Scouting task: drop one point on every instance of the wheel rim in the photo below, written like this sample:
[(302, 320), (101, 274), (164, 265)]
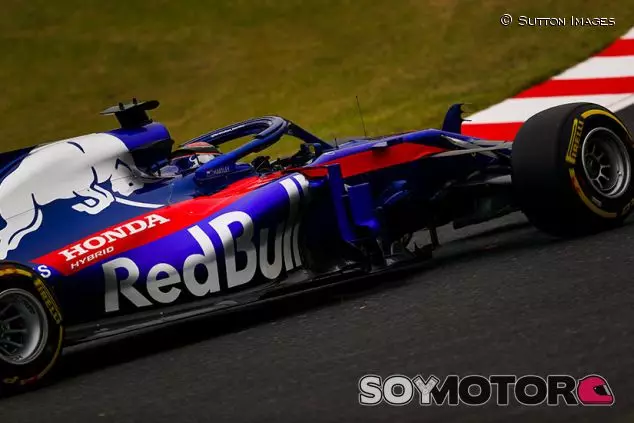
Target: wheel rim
[(23, 327), (606, 162)]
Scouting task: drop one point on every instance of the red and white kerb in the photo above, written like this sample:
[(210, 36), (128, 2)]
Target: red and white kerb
[(606, 79)]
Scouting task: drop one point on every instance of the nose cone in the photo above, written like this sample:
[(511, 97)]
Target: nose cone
[(594, 390)]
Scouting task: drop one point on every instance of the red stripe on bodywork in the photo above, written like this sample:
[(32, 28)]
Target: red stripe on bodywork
[(180, 216), (380, 158), (559, 87), (492, 131), (316, 172), (622, 47)]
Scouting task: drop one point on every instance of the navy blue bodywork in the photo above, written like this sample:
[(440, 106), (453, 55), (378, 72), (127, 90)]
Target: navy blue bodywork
[(133, 246)]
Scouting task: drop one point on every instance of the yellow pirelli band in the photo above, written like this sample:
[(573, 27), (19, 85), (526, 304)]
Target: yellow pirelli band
[(608, 114), (13, 271), (57, 351), (585, 199)]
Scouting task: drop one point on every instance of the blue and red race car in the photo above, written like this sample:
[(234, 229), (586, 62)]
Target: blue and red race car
[(108, 233)]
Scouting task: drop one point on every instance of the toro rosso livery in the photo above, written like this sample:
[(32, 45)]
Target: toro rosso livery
[(108, 233)]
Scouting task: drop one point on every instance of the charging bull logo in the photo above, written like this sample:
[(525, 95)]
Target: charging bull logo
[(96, 170)]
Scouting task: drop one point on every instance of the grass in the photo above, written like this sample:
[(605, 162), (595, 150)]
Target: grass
[(214, 62)]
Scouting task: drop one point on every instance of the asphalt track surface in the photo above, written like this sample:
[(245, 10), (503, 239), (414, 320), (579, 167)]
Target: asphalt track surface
[(499, 298)]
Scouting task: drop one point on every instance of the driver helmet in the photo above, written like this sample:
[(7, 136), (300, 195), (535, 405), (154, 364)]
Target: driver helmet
[(194, 154)]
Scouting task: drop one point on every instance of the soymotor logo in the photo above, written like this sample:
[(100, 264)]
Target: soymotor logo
[(474, 390)]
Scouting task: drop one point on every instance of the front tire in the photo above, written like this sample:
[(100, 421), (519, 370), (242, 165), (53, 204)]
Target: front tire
[(572, 169), (31, 328)]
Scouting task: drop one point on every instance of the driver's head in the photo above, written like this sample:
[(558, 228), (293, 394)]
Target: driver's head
[(194, 155)]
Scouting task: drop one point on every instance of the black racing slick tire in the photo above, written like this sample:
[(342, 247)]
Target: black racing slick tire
[(572, 169), (31, 328)]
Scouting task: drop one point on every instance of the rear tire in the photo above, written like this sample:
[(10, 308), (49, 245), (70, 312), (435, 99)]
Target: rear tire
[(572, 169), (31, 328)]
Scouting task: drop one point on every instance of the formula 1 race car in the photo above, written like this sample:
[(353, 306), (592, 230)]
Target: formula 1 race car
[(108, 233)]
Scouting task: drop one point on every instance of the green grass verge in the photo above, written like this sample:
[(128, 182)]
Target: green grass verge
[(214, 62)]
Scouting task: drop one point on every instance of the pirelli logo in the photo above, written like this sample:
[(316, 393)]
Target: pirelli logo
[(575, 138), (48, 300)]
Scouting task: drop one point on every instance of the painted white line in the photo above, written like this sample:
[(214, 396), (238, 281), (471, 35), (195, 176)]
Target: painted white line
[(628, 101), (520, 109), (629, 35), (601, 67)]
